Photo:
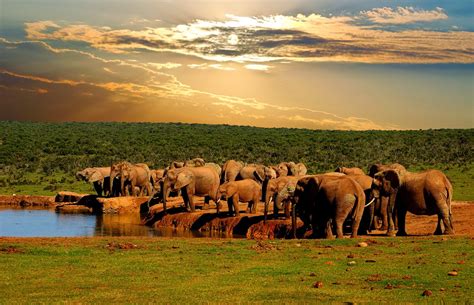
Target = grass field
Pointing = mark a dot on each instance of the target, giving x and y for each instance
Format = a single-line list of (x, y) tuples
[(144, 270)]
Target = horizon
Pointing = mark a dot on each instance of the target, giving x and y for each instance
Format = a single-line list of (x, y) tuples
[(318, 65)]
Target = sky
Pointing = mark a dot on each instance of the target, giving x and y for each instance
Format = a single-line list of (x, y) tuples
[(349, 65)]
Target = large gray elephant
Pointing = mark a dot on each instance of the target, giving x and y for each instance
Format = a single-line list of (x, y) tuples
[(192, 181), (291, 169), (98, 176), (280, 199), (426, 193), (231, 170), (131, 176), (380, 220), (326, 201)]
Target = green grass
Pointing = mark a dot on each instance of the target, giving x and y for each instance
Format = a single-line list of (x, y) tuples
[(161, 270)]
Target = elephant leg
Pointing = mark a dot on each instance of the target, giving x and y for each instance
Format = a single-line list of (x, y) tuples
[(275, 209), (191, 200), (383, 213), (390, 209), (98, 189), (255, 201), (230, 206), (401, 213), (235, 201), (446, 221), (439, 227), (328, 230), (207, 199), (287, 209)]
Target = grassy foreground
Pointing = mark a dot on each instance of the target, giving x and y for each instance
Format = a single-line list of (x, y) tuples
[(144, 270)]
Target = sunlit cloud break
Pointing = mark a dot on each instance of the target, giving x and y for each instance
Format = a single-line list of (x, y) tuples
[(295, 38)]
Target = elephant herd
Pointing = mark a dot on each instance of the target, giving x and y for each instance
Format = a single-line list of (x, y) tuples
[(325, 203)]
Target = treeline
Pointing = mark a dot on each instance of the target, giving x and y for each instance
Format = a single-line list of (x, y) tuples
[(46, 148)]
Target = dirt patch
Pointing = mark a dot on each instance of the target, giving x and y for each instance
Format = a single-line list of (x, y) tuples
[(11, 250), (112, 246), (463, 213), (261, 246)]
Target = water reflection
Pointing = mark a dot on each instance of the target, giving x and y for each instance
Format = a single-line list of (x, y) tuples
[(47, 223)]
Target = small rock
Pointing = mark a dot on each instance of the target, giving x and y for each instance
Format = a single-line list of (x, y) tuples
[(351, 256), (389, 286), (406, 277), (461, 262), (312, 274), (427, 293), (442, 289), (298, 245), (453, 273), (331, 263), (370, 260), (318, 284), (362, 244), (351, 263)]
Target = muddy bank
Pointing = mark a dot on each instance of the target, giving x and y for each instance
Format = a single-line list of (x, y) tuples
[(26, 201)]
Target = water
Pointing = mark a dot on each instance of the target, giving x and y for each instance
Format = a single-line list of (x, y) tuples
[(48, 223)]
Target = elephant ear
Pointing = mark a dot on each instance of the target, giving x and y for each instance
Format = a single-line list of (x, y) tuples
[(301, 169), (184, 178), (259, 173), (393, 177), (96, 176)]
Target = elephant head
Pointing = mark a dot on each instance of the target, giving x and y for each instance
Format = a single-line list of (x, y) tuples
[(175, 180), (387, 183), (303, 199), (283, 169), (115, 170)]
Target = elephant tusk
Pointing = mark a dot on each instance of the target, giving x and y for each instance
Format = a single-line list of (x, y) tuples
[(372, 201), (271, 199)]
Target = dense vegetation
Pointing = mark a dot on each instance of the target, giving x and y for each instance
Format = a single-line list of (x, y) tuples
[(47, 154)]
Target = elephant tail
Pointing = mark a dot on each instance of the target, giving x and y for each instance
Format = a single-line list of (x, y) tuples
[(359, 201), (449, 197)]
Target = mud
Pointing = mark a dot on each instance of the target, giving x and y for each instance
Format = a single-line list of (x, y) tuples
[(27, 201)]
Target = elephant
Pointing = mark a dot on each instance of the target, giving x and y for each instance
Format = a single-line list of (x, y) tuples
[(260, 173), (247, 190), (426, 193), (99, 177), (192, 181), (231, 170), (196, 162), (323, 201), (380, 221), (350, 170), (291, 169), (156, 175), (274, 187), (131, 175)]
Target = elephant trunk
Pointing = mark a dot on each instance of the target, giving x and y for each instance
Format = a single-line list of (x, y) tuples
[(268, 200), (122, 186), (166, 192), (293, 220)]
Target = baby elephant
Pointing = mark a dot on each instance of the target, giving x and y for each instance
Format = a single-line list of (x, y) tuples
[(247, 190)]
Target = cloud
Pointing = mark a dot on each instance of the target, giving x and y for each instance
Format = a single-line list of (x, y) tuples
[(253, 40), (403, 15)]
